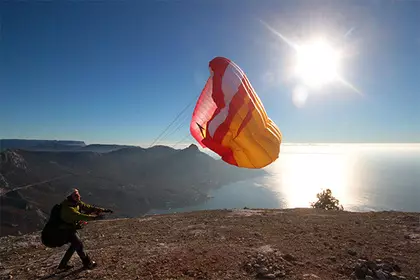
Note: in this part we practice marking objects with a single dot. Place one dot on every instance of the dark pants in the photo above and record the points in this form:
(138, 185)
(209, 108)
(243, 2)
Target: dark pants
(75, 245)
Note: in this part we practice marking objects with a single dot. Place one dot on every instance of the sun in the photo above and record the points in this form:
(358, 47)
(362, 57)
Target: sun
(317, 63)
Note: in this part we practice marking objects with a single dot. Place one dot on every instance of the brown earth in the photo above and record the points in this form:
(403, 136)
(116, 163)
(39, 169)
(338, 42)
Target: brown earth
(232, 244)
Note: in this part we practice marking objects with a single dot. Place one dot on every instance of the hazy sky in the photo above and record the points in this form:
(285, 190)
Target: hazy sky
(120, 71)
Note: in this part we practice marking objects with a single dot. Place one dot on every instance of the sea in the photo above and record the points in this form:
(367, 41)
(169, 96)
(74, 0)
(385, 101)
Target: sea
(363, 177)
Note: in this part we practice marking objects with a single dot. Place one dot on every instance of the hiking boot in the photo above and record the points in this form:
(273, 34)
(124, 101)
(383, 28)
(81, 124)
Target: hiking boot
(88, 263)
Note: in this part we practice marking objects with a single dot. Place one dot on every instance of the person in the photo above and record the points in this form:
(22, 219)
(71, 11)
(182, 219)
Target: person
(73, 212)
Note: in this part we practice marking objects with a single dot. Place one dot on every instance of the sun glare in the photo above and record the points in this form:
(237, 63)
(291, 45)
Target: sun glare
(303, 171)
(317, 63)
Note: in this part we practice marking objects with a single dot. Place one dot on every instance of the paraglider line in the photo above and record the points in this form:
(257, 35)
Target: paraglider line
(180, 141)
(177, 117)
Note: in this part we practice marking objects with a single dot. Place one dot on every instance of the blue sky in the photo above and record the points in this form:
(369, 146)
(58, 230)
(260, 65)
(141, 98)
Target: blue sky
(120, 71)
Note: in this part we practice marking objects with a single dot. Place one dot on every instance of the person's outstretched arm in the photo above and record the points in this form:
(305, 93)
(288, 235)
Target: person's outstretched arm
(71, 215)
(90, 208)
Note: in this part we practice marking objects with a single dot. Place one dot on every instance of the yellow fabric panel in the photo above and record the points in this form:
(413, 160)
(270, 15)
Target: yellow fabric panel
(258, 144)
(262, 146)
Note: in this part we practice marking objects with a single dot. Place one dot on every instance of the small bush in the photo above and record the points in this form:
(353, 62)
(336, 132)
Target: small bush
(327, 201)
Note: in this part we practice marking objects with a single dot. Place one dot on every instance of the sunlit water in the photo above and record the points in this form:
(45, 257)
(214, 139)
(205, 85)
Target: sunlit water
(363, 178)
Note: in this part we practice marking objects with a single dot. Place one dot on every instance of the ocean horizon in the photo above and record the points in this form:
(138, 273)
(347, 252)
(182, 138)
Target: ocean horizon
(362, 176)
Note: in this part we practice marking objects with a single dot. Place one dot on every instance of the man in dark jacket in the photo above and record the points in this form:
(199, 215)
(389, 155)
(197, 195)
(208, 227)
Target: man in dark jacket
(71, 216)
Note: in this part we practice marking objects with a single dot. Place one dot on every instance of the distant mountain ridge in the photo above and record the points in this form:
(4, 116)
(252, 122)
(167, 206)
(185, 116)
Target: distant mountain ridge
(57, 145)
(131, 180)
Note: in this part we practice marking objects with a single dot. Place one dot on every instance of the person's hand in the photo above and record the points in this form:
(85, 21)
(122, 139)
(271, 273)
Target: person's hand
(80, 224)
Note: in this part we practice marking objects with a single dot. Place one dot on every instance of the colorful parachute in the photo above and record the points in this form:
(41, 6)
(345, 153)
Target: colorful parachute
(230, 119)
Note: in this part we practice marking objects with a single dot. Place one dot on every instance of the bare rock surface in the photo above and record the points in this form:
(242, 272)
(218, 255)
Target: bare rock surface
(225, 244)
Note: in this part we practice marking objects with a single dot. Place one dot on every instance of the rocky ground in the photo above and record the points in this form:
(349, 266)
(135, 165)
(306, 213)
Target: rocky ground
(232, 244)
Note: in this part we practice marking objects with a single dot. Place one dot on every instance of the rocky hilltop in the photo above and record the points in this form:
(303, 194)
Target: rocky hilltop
(232, 244)
(130, 180)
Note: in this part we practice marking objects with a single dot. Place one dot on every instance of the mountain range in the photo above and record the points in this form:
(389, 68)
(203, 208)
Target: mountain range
(57, 145)
(130, 180)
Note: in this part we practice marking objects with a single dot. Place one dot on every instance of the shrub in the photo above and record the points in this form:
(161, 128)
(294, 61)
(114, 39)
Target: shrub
(327, 201)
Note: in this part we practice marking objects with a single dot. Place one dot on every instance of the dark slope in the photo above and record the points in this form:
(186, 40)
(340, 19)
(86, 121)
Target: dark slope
(130, 180)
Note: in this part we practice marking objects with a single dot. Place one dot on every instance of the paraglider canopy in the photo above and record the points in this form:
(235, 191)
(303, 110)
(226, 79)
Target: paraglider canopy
(230, 119)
